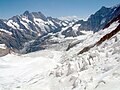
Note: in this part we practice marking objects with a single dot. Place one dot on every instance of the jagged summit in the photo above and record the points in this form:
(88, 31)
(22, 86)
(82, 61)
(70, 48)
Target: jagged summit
(38, 15)
(26, 13)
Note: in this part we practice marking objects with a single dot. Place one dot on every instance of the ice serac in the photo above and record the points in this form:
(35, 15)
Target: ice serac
(97, 66)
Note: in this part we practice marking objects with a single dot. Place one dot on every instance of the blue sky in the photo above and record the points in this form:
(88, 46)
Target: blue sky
(54, 8)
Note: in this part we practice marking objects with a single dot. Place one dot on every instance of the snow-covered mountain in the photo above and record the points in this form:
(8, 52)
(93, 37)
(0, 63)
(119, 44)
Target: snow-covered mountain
(26, 27)
(29, 31)
(99, 19)
(32, 29)
(90, 64)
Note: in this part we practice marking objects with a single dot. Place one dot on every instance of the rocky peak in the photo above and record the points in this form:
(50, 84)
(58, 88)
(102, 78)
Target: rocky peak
(26, 13)
(31, 15)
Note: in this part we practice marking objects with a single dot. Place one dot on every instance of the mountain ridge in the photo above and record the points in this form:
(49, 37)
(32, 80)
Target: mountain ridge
(32, 25)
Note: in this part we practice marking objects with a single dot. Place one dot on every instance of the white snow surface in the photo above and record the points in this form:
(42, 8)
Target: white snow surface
(27, 72)
(6, 31)
(97, 69)
(3, 46)
(75, 27)
(13, 24)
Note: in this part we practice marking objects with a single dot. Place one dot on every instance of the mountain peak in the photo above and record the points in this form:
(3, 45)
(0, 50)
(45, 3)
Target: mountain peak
(103, 7)
(26, 13)
(34, 15)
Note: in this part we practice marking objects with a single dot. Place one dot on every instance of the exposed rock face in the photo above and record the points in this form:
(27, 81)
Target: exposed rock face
(71, 33)
(9, 40)
(98, 20)
(4, 50)
(33, 15)
(105, 37)
(109, 35)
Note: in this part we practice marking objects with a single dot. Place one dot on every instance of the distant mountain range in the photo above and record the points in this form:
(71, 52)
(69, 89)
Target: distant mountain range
(98, 20)
(28, 26)
(33, 28)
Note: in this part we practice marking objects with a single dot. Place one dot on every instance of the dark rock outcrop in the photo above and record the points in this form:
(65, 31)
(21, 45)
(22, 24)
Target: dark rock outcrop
(98, 20)
(105, 37)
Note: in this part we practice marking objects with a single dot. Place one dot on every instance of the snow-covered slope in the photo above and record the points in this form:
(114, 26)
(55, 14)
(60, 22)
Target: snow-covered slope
(27, 72)
(72, 59)
(95, 69)
(98, 68)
